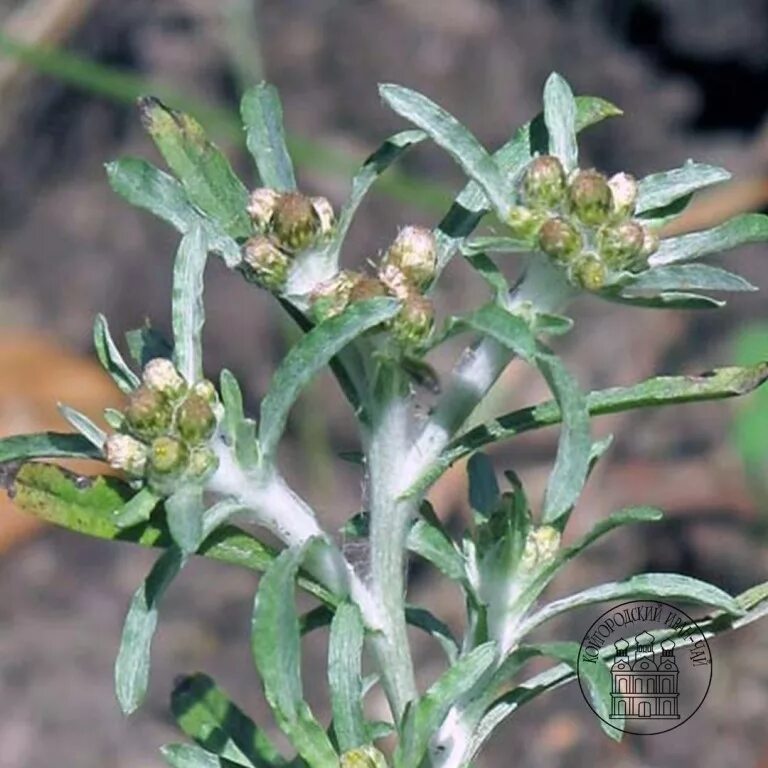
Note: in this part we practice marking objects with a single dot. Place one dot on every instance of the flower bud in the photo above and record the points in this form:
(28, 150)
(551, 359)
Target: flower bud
(160, 375)
(367, 288)
(331, 297)
(650, 242)
(266, 263)
(295, 223)
(148, 413)
(195, 420)
(396, 282)
(590, 197)
(587, 272)
(414, 253)
(544, 182)
(620, 244)
(126, 453)
(524, 223)
(203, 462)
(325, 214)
(206, 390)
(414, 322)
(623, 193)
(541, 546)
(261, 206)
(167, 456)
(366, 756)
(560, 239)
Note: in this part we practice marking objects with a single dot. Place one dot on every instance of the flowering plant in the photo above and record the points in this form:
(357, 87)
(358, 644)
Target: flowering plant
(193, 461)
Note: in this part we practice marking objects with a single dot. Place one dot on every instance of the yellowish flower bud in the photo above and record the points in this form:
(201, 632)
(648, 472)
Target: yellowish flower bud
(167, 456)
(541, 546)
(266, 263)
(587, 272)
(650, 242)
(295, 222)
(126, 453)
(414, 322)
(160, 375)
(205, 389)
(331, 297)
(325, 214)
(544, 182)
(396, 282)
(525, 223)
(366, 756)
(590, 197)
(414, 253)
(261, 206)
(148, 413)
(367, 288)
(620, 244)
(560, 239)
(623, 193)
(203, 462)
(195, 420)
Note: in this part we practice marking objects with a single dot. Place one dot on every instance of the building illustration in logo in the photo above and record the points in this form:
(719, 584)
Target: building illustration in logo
(645, 688)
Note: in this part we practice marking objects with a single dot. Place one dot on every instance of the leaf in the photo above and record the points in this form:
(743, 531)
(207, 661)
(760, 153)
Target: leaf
(239, 430)
(688, 277)
(510, 330)
(429, 623)
(344, 678)
(667, 300)
(560, 119)
(432, 543)
(205, 713)
(262, 116)
(747, 228)
(661, 189)
(308, 357)
(424, 716)
(553, 325)
(218, 514)
(133, 658)
(207, 177)
(492, 275)
(47, 445)
(92, 433)
(110, 357)
(187, 756)
(387, 154)
(188, 313)
(275, 642)
(137, 509)
(483, 489)
(496, 244)
(184, 513)
(659, 391)
(146, 344)
(447, 132)
(672, 586)
(572, 462)
(147, 187)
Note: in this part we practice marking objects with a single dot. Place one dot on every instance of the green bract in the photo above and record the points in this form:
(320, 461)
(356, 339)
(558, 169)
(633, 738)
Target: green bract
(193, 459)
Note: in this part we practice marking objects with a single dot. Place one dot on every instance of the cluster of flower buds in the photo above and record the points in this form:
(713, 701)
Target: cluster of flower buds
(584, 221)
(541, 546)
(407, 268)
(287, 223)
(167, 427)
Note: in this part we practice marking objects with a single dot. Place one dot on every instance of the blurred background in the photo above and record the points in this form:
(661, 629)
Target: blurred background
(692, 77)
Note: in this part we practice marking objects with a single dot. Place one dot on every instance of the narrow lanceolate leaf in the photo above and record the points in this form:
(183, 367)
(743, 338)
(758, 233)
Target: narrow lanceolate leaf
(672, 586)
(424, 716)
(206, 714)
(426, 621)
(239, 430)
(207, 177)
(90, 431)
(110, 357)
(188, 313)
(275, 641)
(472, 203)
(387, 154)
(510, 330)
(188, 756)
(308, 357)
(133, 658)
(447, 132)
(47, 445)
(496, 244)
(747, 228)
(345, 651)
(572, 462)
(661, 189)
(484, 491)
(688, 277)
(560, 119)
(138, 509)
(184, 513)
(262, 116)
(667, 300)
(659, 391)
(433, 544)
(147, 187)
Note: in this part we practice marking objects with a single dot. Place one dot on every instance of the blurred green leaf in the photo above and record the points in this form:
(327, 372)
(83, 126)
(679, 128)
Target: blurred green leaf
(188, 756)
(509, 329)
(138, 509)
(423, 619)
(92, 433)
(560, 119)
(661, 189)
(687, 277)
(110, 357)
(240, 431)
(146, 344)
(667, 300)
(184, 514)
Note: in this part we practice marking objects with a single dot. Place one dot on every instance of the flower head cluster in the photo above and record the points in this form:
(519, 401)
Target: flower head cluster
(406, 269)
(288, 223)
(167, 426)
(583, 221)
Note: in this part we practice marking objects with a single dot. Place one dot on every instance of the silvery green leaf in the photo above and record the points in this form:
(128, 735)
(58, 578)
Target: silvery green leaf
(207, 715)
(560, 119)
(312, 353)
(206, 175)
(345, 649)
(110, 357)
(509, 329)
(425, 715)
(687, 277)
(146, 344)
(553, 325)
(47, 445)
(262, 116)
(447, 132)
(133, 658)
(661, 189)
(147, 187)
(114, 418)
(184, 514)
(496, 244)
(188, 313)
(218, 514)
(275, 642)
(90, 431)
(667, 300)
(573, 451)
(137, 509)
(429, 539)
(189, 756)
(429, 623)
(747, 228)
(239, 430)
